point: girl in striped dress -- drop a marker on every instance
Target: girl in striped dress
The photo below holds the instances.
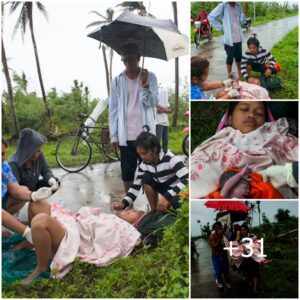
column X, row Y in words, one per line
column 257, row 59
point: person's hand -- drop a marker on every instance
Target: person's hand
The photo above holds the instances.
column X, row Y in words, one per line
column 113, row 146
column 53, row 184
column 163, row 204
column 144, row 78
column 234, row 93
column 279, row 176
column 227, row 82
column 27, row 235
column 41, row 194
column 268, row 72
column 117, row 206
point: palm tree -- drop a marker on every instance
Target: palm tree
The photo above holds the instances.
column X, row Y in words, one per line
column 14, row 119
column 134, row 6
column 26, row 17
column 258, row 210
column 108, row 66
column 175, row 116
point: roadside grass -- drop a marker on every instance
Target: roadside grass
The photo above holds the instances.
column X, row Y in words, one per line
column 176, row 136
column 286, row 54
column 161, row 272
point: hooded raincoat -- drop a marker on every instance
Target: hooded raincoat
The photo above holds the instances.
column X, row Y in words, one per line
column 29, row 142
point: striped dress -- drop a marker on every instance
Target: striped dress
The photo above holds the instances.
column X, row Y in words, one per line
column 264, row 56
column 170, row 171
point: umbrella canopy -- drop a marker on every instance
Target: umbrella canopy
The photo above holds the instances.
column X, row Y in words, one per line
column 154, row 37
column 227, row 205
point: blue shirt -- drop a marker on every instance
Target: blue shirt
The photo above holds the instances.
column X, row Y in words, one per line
column 7, row 178
column 220, row 18
column 197, row 93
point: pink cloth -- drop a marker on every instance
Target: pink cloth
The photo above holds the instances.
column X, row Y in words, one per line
column 92, row 236
column 237, row 258
column 251, row 91
column 268, row 145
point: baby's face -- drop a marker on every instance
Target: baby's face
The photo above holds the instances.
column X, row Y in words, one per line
column 247, row 116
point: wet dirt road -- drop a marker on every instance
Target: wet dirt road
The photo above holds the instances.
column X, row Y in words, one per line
column 96, row 186
column 202, row 279
column 268, row 35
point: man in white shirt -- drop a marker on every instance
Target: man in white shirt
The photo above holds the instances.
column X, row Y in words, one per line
column 162, row 120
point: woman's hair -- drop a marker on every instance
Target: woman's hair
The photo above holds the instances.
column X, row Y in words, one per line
column 233, row 104
column 148, row 141
column 244, row 225
column 198, row 66
column 253, row 41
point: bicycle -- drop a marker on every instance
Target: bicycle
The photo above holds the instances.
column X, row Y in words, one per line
column 74, row 151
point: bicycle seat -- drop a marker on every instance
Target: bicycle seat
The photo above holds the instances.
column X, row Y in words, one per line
column 83, row 116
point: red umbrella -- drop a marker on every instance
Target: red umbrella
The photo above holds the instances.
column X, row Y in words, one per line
column 228, row 205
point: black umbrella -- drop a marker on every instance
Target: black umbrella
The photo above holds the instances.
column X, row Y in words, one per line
column 154, row 37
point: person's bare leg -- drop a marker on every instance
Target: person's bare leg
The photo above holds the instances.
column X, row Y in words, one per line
column 127, row 185
column 229, row 69
column 238, row 65
column 38, row 207
column 255, row 280
column 47, row 235
column 151, row 195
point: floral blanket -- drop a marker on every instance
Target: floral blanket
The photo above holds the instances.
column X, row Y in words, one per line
column 268, row 145
column 92, row 236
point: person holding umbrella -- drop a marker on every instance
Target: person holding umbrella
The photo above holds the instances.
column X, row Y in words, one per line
column 133, row 97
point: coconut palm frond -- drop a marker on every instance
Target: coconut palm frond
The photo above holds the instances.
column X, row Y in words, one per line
column 96, row 23
column 22, row 22
column 42, row 9
column 98, row 14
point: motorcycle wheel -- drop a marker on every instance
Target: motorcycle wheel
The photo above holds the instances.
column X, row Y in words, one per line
column 197, row 38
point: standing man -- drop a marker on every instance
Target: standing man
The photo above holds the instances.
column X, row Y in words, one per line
column 133, row 97
column 227, row 17
column 219, row 255
column 162, row 120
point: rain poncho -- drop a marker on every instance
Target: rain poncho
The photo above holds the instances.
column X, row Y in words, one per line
column 29, row 142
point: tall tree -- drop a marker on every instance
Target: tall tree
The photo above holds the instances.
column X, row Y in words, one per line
column 26, row 17
column 108, row 66
column 14, row 119
column 258, row 210
column 134, row 6
column 175, row 116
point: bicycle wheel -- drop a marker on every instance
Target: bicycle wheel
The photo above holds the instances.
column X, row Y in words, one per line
column 73, row 153
column 186, row 145
column 113, row 155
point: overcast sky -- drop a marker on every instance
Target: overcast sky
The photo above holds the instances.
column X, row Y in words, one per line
column 204, row 214
column 66, row 53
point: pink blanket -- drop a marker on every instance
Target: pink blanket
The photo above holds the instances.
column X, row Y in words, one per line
column 92, row 236
column 251, row 91
column 268, row 145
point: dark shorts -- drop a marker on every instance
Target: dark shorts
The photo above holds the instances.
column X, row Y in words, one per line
column 232, row 52
column 261, row 68
column 129, row 161
column 159, row 187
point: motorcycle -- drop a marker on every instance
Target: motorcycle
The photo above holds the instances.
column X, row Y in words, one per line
column 246, row 22
column 202, row 31
column 186, row 139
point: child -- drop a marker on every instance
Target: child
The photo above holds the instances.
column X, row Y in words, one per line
column 257, row 59
column 248, row 139
column 199, row 74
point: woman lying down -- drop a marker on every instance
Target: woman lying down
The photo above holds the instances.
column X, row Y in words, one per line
column 90, row 235
column 250, row 156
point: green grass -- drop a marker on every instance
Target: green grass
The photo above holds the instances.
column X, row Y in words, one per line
column 286, row 54
column 175, row 144
column 161, row 272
